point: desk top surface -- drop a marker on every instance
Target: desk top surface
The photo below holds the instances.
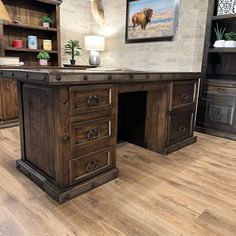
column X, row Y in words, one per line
column 97, row 75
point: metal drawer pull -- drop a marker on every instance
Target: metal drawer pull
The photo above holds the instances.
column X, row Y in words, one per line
column 221, row 90
column 185, row 96
column 182, row 129
column 93, row 134
column 93, row 100
column 91, row 166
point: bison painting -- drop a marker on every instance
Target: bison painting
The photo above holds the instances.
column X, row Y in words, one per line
column 142, row 18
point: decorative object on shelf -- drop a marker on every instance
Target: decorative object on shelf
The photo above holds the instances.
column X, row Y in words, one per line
column 72, row 48
column 9, row 61
column 219, row 33
column 46, row 20
column 17, row 22
column 80, row 67
column 151, row 20
column 94, row 44
column 17, row 43
column 4, row 15
column 98, row 11
column 47, row 44
column 32, row 42
column 230, row 40
column 226, row 7
column 43, row 58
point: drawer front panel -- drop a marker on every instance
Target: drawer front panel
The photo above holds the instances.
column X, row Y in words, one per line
column 90, row 165
column 183, row 93
column 222, row 91
column 90, row 98
column 180, row 127
column 91, row 133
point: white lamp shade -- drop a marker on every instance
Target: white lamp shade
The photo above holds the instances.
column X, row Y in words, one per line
column 95, row 42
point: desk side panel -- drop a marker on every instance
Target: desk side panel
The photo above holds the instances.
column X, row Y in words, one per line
column 39, row 128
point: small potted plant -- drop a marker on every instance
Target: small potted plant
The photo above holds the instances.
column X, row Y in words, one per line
column 219, row 33
column 46, row 21
column 43, row 58
column 72, row 48
column 230, row 40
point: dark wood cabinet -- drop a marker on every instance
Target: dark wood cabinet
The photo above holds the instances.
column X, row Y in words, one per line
column 181, row 118
column 216, row 105
column 28, row 13
column 8, row 103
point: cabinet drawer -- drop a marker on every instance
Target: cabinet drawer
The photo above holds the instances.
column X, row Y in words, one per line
column 91, row 134
column 183, row 93
column 222, row 91
column 90, row 98
column 180, row 127
column 90, row 165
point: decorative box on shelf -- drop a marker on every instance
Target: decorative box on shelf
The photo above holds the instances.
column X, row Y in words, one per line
column 226, row 7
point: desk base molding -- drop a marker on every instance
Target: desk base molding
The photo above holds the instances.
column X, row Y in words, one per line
column 9, row 123
column 179, row 145
column 63, row 196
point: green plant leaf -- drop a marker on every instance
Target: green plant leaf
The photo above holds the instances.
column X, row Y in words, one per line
column 72, row 48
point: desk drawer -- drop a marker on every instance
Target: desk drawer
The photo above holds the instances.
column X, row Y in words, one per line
column 90, row 98
column 92, row 134
column 222, row 91
column 183, row 93
column 90, row 165
column 180, row 127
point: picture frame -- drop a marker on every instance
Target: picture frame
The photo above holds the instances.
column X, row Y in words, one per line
column 226, row 7
column 151, row 20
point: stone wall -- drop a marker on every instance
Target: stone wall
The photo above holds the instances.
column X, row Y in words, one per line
column 75, row 24
column 182, row 54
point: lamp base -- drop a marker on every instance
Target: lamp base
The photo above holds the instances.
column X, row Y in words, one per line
column 94, row 59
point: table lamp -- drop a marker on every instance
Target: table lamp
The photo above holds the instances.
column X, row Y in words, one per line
column 3, row 13
column 94, row 44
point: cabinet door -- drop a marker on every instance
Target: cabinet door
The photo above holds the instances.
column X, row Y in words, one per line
column 10, row 99
column 220, row 113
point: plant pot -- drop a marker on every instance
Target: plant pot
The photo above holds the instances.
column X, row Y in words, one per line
column 46, row 25
column 230, row 44
column 43, row 62
column 219, row 44
column 72, row 62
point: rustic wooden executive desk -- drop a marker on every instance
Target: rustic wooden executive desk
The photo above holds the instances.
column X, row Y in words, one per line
column 69, row 122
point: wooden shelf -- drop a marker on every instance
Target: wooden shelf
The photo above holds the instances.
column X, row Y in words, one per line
column 30, row 27
column 222, row 50
column 28, row 50
column 225, row 17
column 55, row 2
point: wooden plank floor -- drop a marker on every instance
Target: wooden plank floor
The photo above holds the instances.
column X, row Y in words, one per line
column 190, row 192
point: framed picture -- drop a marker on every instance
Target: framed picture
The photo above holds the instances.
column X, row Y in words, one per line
column 151, row 20
column 226, row 7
